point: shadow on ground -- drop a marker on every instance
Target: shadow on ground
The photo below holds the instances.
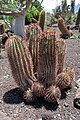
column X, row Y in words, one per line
column 15, row 96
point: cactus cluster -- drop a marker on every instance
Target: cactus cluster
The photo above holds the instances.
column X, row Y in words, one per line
column 41, row 53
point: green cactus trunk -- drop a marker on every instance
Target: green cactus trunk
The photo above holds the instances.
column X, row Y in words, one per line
column 42, row 19
column 47, row 59
column 20, row 61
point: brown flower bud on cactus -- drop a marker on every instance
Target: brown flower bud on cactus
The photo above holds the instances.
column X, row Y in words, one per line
column 63, row 81
column 61, row 50
column 63, row 27
column 52, row 94
column 38, row 89
column 20, row 61
column 42, row 19
column 47, row 59
column 32, row 33
column 28, row 95
column 70, row 71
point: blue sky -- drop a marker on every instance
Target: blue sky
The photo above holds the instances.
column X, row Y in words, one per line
column 51, row 4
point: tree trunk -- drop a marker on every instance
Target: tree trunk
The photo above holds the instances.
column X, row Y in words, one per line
column 18, row 25
column 72, row 6
column 78, row 17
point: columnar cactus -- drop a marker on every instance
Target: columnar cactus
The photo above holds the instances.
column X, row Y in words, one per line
column 20, row 61
column 42, row 19
column 32, row 34
column 47, row 59
column 63, row 27
column 61, row 50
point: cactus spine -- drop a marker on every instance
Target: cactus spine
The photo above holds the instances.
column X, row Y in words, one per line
column 42, row 19
column 47, row 58
column 20, row 61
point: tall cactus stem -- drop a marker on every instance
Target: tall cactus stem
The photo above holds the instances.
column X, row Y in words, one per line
column 47, row 58
column 63, row 27
column 42, row 19
column 20, row 61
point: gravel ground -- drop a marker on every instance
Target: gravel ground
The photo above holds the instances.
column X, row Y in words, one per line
column 13, row 107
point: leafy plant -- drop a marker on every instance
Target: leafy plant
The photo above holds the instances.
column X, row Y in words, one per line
column 34, row 13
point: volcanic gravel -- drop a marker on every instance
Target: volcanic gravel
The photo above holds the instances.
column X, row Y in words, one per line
column 12, row 105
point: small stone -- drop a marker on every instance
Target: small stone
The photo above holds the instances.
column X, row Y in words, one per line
column 78, row 82
column 58, row 115
column 75, row 87
column 77, row 93
column 40, row 119
column 15, row 115
column 10, row 112
column 73, row 117
column 65, row 104
column 17, row 118
column 22, row 105
column 20, row 111
column 68, row 93
column 6, row 76
column 29, row 118
column 54, row 117
column 70, row 119
column 1, row 101
column 59, row 106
